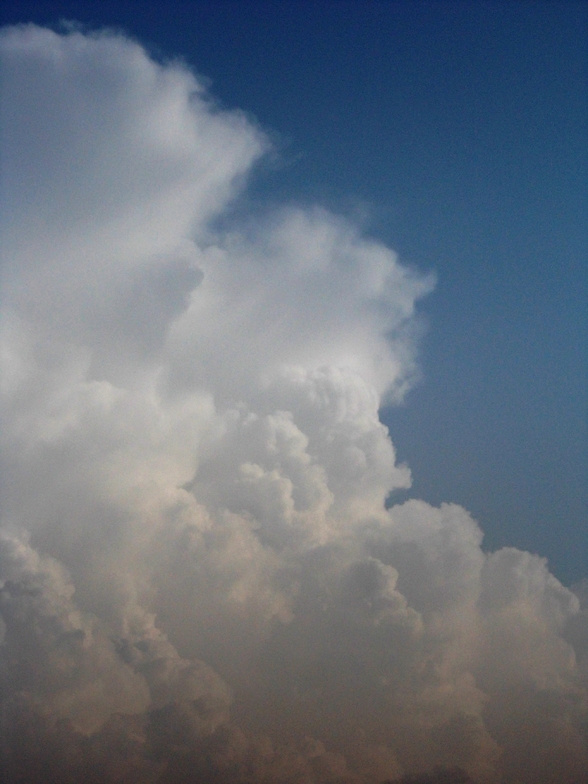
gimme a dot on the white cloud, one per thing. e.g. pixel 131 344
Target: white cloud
pixel 198 574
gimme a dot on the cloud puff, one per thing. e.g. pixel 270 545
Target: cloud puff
pixel 199 577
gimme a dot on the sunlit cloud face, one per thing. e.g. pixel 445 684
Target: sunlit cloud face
pixel 199 576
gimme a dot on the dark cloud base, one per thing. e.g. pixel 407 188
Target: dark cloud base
pixel 159 748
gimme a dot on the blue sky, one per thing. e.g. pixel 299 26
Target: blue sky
pixel 458 132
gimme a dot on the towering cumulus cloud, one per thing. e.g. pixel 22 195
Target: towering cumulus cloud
pixel 199 578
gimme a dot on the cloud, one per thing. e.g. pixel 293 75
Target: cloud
pixel 199 577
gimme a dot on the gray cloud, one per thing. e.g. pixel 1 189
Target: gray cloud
pixel 199 578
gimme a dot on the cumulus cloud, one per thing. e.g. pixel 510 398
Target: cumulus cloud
pixel 200 579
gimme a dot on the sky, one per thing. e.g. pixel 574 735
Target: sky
pixel 294 393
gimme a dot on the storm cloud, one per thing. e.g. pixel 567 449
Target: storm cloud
pixel 200 576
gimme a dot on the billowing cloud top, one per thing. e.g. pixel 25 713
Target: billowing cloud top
pixel 199 578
